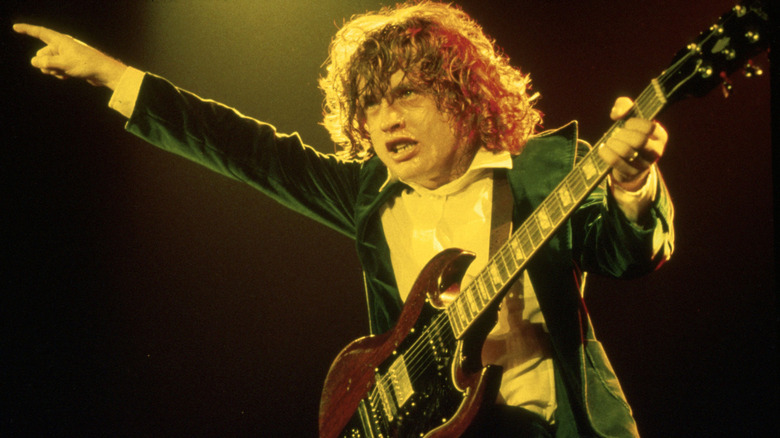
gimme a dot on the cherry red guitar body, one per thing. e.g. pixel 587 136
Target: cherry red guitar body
pixel 417 379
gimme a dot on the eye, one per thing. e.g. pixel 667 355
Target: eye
pixel 368 105
pixel 368 102
pixel 406 93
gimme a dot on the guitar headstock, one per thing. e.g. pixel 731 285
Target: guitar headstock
pixel 727 46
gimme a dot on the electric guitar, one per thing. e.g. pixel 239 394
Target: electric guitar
pixel 424 377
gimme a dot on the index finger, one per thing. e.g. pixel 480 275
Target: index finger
pixel 42 33
pixel 621 107
pixel 643 126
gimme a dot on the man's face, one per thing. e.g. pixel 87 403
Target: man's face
pixel 415 140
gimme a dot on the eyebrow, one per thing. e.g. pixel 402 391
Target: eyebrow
pixel 403 85
pixel 368 97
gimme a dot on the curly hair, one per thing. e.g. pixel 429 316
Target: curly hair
pixel 443 52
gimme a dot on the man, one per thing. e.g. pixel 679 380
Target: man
pixel 432 120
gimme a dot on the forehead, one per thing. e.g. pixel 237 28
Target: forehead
pixel 396 78
pixel 378 88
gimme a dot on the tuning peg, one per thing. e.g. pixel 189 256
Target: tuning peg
pixel 752 70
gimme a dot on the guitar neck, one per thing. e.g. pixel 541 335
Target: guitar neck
pixel 505 265
pixel 704 64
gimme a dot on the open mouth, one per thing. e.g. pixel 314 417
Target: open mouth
pixel 401 146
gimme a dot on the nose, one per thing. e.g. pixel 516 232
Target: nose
pixel 390 117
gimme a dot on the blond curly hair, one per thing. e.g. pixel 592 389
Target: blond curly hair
pixel 442 51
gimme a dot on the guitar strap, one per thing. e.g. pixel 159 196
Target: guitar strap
pixel 501 223
pixel 494 350
pixel 501 217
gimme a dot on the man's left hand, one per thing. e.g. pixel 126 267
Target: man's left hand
pixel 633 148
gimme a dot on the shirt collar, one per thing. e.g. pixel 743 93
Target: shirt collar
pixel 483 161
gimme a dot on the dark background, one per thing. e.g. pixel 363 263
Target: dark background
pixel 143 295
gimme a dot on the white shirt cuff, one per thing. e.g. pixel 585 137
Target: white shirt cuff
pixel 635 204
pixel 126 92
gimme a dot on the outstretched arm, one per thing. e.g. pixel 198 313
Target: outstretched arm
pixel 66 57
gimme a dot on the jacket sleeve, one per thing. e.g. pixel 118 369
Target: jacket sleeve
pixel 604 241
pixel 322 187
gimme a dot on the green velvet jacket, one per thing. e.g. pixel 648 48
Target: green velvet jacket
pixel 347 195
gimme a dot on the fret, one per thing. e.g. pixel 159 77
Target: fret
pixel 495 275
pixel 534 232
pixel 483 279
pixel 657 109
pixel 483 290
pixel 543 218
pixel 660 96
pixel 462 311
pixel 525 241
pixel 638 111
pixel 472 299
pixel 564 195
pixel 514 246
pixel 471 308
pixel 503 269
pixel 577 185
pixel 650 101
pixel 517 251
pixel 480 292
pixel 599 164
pixel 471 305
pixel 455 322
pixel 589 169
pixel 506 256
pixel 555 209
pixel 490 287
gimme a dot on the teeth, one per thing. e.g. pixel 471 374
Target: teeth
pixel 403 147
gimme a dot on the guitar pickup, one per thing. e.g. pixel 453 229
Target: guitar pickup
pixel 394 387
pixel 402 384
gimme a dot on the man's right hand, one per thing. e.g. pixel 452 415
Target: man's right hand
pixel 65 56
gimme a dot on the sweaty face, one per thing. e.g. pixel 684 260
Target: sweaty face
pixel 415 140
